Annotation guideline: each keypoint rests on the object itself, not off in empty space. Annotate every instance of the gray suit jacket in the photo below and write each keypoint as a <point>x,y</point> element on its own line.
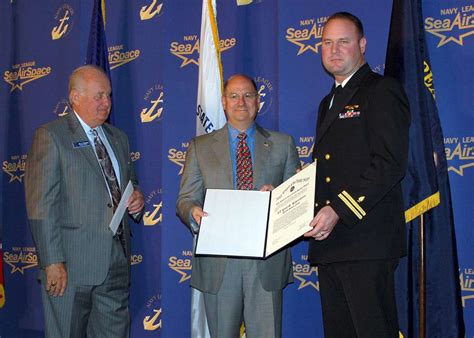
<point>208,165</point>
<point>69,207</point>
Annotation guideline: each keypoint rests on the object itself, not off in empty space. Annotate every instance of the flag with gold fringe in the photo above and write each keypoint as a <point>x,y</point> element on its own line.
<point>426,189</point>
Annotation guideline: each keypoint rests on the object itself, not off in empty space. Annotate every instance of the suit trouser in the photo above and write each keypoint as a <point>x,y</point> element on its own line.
<point>241,297</point>
<point>358,299</point>
<point>92,310</point>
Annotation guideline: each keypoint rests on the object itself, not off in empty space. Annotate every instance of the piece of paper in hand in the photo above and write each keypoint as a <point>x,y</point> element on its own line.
<point>117,218</point>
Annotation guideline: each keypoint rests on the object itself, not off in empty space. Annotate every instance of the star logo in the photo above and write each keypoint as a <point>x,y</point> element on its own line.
<point>308,40</point>
<point>23,75</point>
<point>16,168</point>
<point>460,170</point>
<point>307,277</point>
<point>183,272</point>
<point>456,32</point>
<point>20,261</point>
<point>188,58</point>
<point>459,154</point>
<point>15,175</point>
<point>20,81</point>
<point>21,268</point>
<point>188,53</point>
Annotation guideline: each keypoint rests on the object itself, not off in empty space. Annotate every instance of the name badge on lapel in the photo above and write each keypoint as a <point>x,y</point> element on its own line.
<point>350,112</point>
<point>81,144</point>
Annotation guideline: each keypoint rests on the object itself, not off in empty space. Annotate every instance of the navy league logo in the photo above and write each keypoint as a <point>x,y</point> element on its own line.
<point>152,320</point>
<point>453,25</point>
<point>64,21</point>
<point>23,73</point>
<point>459,153</point>
<point>307,34</point>
<point>154,104</point>
<point>305,274</point>
<point>178,156</point>
<point>182,265</point>
<point>265,91</point>
<point>149,11</point>
<point>119,56</point>
<point>153,208</point>
<point>188,49</point>
<point>15,167</point>
<point>305,145</point>
<point>21,259</point>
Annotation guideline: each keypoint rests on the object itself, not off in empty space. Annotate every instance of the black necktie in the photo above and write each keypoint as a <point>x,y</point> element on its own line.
<point>337,96</point>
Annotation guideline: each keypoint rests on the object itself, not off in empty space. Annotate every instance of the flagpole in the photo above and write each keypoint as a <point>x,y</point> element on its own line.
<point>210,117</point>
<point>421,292</point>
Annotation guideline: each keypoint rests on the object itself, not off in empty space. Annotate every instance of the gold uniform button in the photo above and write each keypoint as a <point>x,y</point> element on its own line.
<point>327,156</point>
<point>328,179</point>
<point>316,205</point>
<point>328,202</point>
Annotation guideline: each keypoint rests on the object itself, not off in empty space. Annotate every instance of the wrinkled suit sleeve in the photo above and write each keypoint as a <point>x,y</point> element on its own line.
<point>191,191</point>
<point>42,190</point>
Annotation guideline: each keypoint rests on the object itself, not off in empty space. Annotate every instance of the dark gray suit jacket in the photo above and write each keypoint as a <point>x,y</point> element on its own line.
<point>208,165</point>
<point>69,207</point>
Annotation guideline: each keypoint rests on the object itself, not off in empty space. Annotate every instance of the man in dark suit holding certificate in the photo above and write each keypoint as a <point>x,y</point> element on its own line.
<point>361,146</point>
<point>241,155</point>
<point>77,169</point>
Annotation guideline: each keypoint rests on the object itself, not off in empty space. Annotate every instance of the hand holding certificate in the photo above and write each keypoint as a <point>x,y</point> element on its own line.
<point>117,217</point>
<point>255,223</point>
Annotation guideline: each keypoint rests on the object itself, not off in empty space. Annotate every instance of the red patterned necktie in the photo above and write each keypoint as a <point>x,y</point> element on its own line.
<point>244,164</point>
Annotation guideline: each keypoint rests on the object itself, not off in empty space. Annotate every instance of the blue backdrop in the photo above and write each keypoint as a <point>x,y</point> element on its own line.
<point>153,49</point>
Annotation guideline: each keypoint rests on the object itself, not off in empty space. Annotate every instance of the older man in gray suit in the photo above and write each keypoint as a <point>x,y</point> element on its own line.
<point>76,169</point>
<point>237,289</point>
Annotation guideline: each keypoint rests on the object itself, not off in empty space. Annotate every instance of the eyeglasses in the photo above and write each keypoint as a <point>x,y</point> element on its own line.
<point>245,96</point>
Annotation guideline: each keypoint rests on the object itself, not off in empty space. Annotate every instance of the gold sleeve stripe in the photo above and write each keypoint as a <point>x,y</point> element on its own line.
<point>354,203</point>
<point>350,206</point>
